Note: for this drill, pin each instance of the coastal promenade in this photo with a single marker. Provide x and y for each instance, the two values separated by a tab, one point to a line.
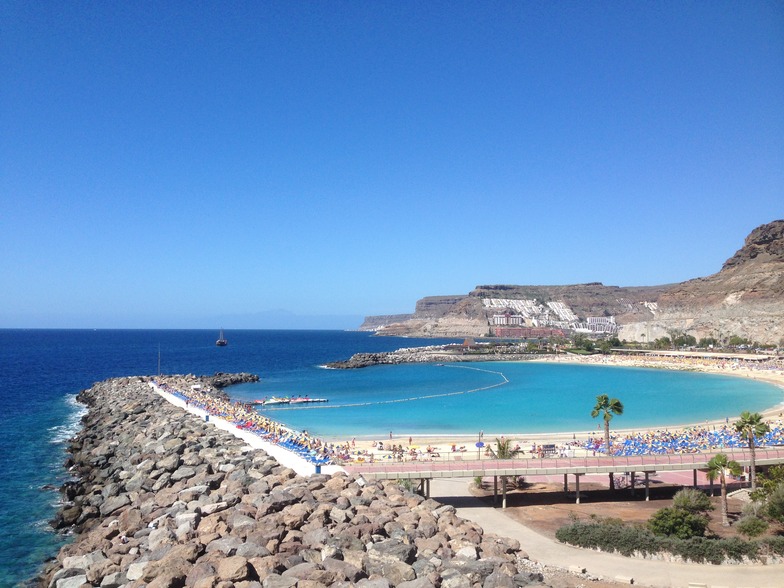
565	466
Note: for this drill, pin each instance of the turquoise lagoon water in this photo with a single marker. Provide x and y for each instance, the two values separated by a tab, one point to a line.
505	398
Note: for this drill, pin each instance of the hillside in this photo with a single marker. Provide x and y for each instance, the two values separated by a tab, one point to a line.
745	298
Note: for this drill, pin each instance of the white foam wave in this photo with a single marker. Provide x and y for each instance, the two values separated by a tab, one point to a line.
73	422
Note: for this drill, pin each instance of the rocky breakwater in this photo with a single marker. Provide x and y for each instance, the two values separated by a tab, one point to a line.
223	380
430	354
163	499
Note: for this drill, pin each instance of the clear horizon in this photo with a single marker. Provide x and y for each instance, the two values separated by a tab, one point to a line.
308	164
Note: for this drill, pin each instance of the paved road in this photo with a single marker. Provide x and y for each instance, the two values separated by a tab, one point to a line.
646	573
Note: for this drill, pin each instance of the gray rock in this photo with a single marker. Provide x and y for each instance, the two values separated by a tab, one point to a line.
392	550
83	562
114	580
417	583
315	538
398	572
239	523
187	518
136	570
445	509
250	549
183	473
201	571
276	581
454	579
169	463
208	509
72	582
468	552
374	583
225	545
343	569
159	537
136	482
113	504
499	580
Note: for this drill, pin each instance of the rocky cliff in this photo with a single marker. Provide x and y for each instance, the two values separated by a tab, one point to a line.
746	298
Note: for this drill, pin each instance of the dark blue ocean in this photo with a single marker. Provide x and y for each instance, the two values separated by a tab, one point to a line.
43	370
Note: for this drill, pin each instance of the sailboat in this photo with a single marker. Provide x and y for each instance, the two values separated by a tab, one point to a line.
221	342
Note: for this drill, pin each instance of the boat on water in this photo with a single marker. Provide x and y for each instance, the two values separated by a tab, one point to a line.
221	342
279	400
306	400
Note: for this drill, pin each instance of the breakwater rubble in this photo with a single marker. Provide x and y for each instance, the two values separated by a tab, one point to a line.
162	499
433	354
223	380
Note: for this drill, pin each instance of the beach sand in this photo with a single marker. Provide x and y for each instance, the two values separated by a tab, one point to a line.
442	444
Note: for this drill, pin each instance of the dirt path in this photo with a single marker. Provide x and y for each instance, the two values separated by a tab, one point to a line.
534	526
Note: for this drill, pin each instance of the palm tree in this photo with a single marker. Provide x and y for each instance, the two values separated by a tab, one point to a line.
717	467
750	426
503	449
607	407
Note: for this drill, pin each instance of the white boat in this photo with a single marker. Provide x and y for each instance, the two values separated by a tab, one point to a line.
221	342
306	400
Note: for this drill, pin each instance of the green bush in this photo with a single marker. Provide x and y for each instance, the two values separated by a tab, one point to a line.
608	535
678	523
774	545
692	501
775	509
628	539
751	526
715	551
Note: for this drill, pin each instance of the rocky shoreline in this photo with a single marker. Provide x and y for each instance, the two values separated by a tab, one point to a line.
163	499
430	354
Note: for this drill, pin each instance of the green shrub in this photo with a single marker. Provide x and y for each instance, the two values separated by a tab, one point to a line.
692	501
775	509
408	484
715	551
676	522
751	526
608	535
755	508
628	539
774	545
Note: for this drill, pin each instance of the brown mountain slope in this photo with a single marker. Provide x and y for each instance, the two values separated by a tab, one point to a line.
746	298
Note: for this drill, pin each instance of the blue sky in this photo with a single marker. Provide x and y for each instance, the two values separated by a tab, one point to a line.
265	164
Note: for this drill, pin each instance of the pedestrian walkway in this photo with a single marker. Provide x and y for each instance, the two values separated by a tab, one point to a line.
607	566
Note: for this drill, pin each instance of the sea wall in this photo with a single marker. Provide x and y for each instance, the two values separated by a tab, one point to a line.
163	499
429	354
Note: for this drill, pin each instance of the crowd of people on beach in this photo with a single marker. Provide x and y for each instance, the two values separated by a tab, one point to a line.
686	362
689	440
310	448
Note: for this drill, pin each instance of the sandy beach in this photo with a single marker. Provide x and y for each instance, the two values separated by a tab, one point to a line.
442	445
